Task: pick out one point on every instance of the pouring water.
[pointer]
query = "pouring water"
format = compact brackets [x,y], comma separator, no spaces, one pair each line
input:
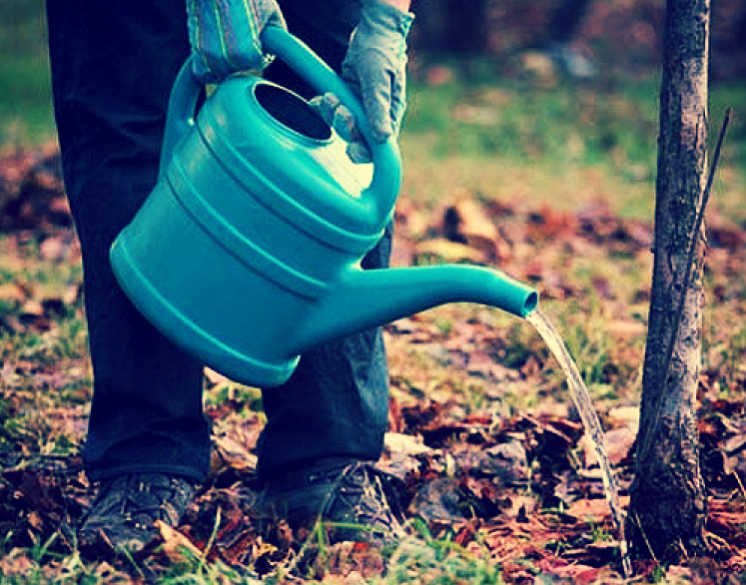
[582,401]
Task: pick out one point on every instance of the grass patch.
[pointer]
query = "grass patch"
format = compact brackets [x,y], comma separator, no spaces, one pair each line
[567,146]
[26,115]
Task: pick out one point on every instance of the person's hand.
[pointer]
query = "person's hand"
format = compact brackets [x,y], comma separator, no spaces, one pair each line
[375,69]
[224,35]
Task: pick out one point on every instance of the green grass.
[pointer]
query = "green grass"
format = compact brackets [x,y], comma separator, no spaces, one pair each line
[26,115]
[567,146]
[25,109]
[415,560]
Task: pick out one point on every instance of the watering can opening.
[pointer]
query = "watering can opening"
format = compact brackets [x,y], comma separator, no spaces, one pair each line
[292,111]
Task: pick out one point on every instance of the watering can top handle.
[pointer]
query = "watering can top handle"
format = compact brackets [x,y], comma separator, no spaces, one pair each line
[317,73]
[383,190]
[384,187]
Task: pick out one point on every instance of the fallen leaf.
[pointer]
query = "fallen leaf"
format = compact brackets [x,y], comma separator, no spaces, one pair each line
[618,443]
[448,251]
[12,292]
[16,562]
[175,544]
[590,511]
[399,444]
[214,377]
[466,221]
[581,574]
[626,328]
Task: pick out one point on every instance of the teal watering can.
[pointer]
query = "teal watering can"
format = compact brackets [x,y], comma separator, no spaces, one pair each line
[247,252]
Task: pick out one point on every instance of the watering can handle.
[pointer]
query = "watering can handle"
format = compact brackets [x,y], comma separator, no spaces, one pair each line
[182,107]
[384,187]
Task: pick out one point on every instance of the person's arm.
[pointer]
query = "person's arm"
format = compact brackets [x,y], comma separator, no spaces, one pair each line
[225,35]
[375,68]
[376,63]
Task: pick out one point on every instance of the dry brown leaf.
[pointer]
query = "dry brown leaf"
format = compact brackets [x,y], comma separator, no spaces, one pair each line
[626,328]
[618,443]
[590,511]
[10,291]
[32,308]
[15,563]
[175,543]
[468,222]
[233,453]
[581,574]
[53,249]
[73,294]
[399,444]
[451,251]
[213,377]
[624,416]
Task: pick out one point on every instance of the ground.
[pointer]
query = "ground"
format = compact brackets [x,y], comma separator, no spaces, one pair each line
[499,480]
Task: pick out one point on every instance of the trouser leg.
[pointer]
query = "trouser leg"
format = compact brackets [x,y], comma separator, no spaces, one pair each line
[113,64]
[336,403]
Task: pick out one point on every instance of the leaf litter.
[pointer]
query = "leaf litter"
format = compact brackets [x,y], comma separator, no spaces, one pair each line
[491,457]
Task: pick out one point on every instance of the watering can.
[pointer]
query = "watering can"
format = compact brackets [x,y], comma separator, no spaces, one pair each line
[247,252]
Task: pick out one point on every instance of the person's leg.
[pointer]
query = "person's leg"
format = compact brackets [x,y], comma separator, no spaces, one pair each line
[334,407]
[325,426]
[113,64]
[148,441]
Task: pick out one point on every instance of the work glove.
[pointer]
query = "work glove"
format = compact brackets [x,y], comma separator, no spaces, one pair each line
[224,35]
[375,69]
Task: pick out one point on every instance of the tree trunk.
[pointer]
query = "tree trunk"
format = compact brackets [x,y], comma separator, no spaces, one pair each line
[668,503]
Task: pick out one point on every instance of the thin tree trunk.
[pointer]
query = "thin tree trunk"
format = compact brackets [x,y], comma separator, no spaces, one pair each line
[668,503]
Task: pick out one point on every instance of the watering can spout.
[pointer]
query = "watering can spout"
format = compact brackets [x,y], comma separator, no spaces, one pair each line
[369,298]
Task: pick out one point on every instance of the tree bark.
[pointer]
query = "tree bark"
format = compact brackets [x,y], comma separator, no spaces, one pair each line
[668,502]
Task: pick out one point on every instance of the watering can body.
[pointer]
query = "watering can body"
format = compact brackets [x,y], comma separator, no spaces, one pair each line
[247,252]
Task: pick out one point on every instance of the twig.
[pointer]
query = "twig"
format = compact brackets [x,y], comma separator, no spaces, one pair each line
[213,534]
[645,537]
[740,484]
[687,277]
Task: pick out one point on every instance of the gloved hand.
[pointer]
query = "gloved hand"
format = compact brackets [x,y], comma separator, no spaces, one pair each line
[224,35]
[374,67]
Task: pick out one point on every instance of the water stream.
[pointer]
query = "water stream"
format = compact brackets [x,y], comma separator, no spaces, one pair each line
[588,415]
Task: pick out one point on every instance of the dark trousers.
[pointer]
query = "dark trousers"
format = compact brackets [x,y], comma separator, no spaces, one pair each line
[113,64]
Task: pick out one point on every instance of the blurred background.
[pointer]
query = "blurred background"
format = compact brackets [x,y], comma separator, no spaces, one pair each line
[551,101]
